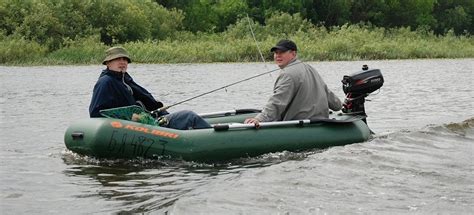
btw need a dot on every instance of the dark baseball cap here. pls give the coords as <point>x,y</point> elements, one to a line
<point>284,45</point>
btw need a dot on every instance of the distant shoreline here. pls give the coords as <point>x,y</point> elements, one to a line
<point>349,43</point>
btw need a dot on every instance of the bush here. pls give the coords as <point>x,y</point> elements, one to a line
<point>87,50</point>
<point>53,22</point>
<point>241,29</point>
<point>18,50</point>
<point>283,24</point>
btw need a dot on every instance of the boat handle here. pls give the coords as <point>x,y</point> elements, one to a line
<point>77,135</point>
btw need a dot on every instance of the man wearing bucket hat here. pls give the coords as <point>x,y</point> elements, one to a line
<point>116,88</point>
<point>299,91</point>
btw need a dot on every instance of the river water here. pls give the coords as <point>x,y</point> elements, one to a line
<point>420,160</point>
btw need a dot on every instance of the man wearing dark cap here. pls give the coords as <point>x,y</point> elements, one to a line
<point>116,88</point>
<point>299,91</point>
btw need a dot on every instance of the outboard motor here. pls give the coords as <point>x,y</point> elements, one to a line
<point>359,85</point>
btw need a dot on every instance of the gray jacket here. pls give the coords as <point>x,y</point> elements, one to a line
<point>299,93</point>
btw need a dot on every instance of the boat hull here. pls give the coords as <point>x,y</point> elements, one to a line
<point>115,138</point>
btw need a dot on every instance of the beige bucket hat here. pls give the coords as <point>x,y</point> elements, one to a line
<point>114,53</point>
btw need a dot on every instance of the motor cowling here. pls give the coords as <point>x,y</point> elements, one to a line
<point>359,85</point>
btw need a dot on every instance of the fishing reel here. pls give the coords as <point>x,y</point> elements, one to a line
<point>159,112</point>
<point>359,85</point>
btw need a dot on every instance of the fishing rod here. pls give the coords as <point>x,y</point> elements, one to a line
<point>220,88</point>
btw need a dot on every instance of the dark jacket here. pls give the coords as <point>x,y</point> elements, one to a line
<point>111,92</point>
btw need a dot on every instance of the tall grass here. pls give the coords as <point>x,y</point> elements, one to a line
<point>83,51</point>
<point>20,51</point>
<point>348,42</point>
<point>355,43</point>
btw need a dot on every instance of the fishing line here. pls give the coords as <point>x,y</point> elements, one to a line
<point>225,87</point>
<point>254,39</point>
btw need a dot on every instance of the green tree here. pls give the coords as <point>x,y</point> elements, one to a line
<point>368,11</point>
<point>199,16</point>
<point>124,21</point>
<point>41,25</point>
<point>54,22</point>
<point>256,10</point>
<point>163,23</point>
<point>228,12</point>
<point>411,13</point>
<point>286,6</point>
<point>208,15</point>
<point>49,23</point>
<point>283,24</point>
<point>178,4</point>
<point>262,9</point>
<point>119,21</point>
<point>457,19</point>
<point>454,14</point>
<point>331,12</point>
<point>73,16</point>
<point>13,13</point>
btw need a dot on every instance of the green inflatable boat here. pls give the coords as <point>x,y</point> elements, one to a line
<point>117,137</point>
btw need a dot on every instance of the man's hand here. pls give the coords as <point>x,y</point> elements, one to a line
<point>254,121</point>
<point>136,117</point>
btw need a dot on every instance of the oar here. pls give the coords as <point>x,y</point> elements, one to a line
<point>226,127</point>
<point>229,113</point>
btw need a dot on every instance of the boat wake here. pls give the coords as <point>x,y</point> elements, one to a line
<point>401,163</point>
<point>72,158</point>
<point>464,128</point>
